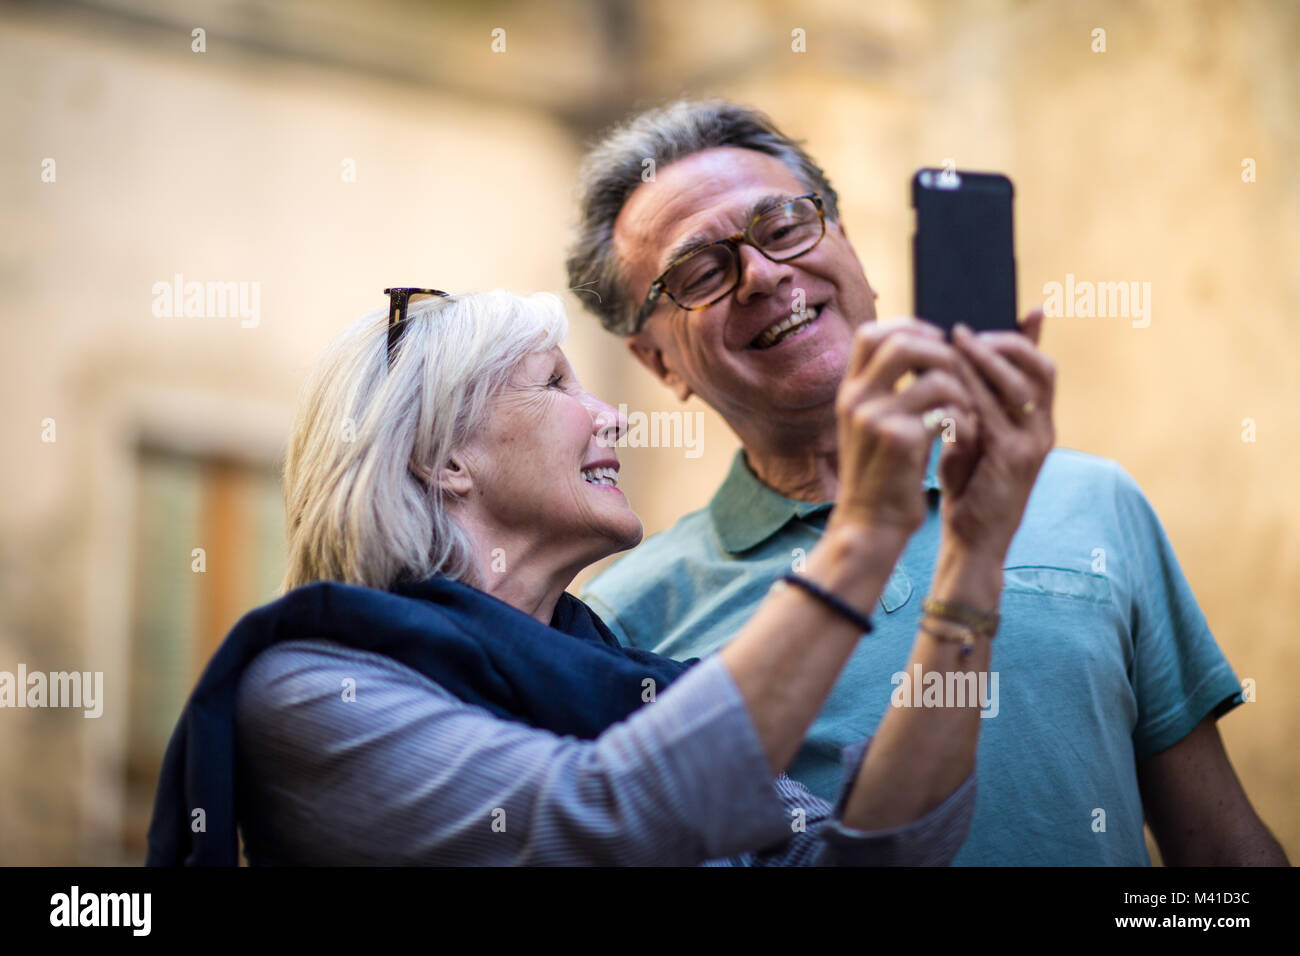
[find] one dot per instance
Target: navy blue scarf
(572, 678)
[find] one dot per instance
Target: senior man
(731, 277)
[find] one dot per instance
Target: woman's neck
(534, 594)
(523, 572)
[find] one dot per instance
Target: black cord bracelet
(861, 620)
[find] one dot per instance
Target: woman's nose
(608, 423)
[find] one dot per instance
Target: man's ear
(652, 357)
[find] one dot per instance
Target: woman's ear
(453, 477)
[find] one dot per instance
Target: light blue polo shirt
(1103, 656)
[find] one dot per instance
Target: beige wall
(226, 166)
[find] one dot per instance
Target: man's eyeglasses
(710, 273)
(398, 302)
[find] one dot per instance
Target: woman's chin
(622, 536)
(634, 538)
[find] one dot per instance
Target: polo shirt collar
(745, 512)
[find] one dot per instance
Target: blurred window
(186, 599)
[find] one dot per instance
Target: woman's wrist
(967, 576)
(853, 561)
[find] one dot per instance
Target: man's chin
(812, 385)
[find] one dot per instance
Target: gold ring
(1022, 412)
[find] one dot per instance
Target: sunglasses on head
(398, 302)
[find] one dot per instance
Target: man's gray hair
(614, 167)
(361, 502)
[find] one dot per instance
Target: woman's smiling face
(545, 469)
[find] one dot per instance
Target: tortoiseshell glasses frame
(661, 285)
(398, 301)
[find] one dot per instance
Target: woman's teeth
(785, 328)
(601, 476)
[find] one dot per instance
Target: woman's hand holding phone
(987, 480)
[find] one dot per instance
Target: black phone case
(963, 251)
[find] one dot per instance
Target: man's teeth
(601, 476)
(775, 333)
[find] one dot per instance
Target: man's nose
(759, 275)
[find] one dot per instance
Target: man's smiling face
(712, 352)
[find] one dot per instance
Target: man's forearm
(1197, 808)
(1247, 843)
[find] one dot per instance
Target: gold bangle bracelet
(981, 622)
(951, 632)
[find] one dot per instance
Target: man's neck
(800, 463)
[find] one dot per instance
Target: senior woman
(427, 692)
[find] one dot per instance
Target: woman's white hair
(359, 500)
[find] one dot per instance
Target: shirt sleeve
(1180, 675)
(819, 837)
(399, 771)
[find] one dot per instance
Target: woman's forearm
(920, 755)
(788, 656)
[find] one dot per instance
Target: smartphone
(963, 255)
